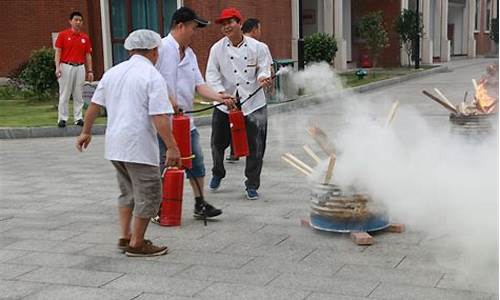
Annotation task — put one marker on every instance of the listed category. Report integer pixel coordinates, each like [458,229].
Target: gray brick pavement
[58,228]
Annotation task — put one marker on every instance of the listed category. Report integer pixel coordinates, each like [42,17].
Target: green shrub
[319,47]
[38,76]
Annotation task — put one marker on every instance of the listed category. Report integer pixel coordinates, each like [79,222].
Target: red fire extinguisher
[182,134]
[238,133]
[171,206]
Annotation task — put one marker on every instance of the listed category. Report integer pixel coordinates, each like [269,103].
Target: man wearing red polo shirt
[73,63]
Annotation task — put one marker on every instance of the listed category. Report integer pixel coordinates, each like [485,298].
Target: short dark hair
[75,14]
[249,25]
[185,14]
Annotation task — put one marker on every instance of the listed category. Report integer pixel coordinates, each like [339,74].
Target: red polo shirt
[74,46]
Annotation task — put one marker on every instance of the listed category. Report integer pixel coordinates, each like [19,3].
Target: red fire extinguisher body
[182,134]
[238,133]
[171,206]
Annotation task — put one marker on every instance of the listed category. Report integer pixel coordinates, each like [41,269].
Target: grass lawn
[17,112]
[351,80]
[28,113]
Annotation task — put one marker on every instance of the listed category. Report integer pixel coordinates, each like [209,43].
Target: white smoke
[442,184]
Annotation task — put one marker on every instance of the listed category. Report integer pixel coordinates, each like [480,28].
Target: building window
[129,15]
[478,14]
[489,10]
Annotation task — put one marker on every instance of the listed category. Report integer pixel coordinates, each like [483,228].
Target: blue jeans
[198,169]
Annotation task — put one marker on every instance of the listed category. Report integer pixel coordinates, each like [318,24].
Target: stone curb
[38,132]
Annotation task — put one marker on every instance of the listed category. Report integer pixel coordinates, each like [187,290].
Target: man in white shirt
[238,65]
[135,97]
[178,65]
[251,28]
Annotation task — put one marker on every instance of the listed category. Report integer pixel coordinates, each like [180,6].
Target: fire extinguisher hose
[222,103]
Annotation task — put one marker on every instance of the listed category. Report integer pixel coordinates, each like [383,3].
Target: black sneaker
[200,210]
[79,122]
[61,124]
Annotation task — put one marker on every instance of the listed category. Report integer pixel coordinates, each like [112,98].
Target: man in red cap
[238,64]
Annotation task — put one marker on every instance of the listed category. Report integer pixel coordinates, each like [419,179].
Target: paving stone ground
[58,227]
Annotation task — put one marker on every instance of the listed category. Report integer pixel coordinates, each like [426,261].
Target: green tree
[319,47]
[371,29]
[404,25]
[38,75]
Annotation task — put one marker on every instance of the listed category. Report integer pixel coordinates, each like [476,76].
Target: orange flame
[484,102]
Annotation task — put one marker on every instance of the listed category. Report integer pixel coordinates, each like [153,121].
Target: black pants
[256,125]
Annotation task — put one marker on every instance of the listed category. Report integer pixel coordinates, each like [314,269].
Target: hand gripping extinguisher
[171,206]
[238,131]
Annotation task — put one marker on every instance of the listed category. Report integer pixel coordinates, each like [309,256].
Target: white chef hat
[142,39]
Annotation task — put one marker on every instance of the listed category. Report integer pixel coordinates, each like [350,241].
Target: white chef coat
[132,92]
[182,77]
[233,68]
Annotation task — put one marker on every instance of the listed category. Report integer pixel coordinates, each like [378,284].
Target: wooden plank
[445,105]
[311,153]
[298,162]
[392,113]
[329,171]
[291,163]
[321,138]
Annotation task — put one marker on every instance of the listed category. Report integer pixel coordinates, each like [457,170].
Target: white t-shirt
[233,68]
[132,92]
[182,77]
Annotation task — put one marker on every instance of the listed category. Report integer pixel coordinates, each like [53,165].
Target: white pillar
[347,29]
[436,6]
[471,41]
[403,55]
[445,42]
[295,30]
[340,56]
[328,16]
[427,39]
[106,35]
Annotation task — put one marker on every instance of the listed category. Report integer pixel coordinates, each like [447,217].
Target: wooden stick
[329,171]
[302,164]
[311,153]
[443,97]
[445,105]
[392,113]
[321,138]
[474,83]
[291,163]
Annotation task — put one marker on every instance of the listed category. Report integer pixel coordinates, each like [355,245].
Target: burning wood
[485,99]
[444,104]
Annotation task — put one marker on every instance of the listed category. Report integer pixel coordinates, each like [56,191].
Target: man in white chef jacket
[178,65]
[238,64]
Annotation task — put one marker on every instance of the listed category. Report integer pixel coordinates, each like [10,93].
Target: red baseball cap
[228,13]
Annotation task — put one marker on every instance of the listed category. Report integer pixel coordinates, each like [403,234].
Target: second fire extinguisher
[182,134]
[238,133]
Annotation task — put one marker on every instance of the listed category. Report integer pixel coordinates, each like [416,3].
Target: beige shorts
[140,188]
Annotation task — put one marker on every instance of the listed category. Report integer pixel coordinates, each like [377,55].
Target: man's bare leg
[125,215]
[138,230]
